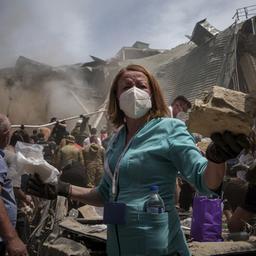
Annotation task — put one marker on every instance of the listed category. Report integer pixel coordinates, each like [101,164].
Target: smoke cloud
[58,32]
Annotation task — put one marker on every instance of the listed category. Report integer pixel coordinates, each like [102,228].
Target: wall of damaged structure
[227,60]
[32,92]
[20,101]
[205,66]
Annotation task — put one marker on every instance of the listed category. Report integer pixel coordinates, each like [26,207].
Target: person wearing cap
[93,160]
[81,131]
[76,130]
[69,154]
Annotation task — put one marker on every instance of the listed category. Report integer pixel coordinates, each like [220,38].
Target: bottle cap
[154,188]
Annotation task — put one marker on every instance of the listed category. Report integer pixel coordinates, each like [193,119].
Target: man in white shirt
[93,133]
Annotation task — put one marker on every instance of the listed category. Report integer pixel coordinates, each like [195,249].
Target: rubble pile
[223,109]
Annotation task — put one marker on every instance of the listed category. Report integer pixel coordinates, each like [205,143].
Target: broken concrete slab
[65,247]
[89,213]
[223,109]
[223,248]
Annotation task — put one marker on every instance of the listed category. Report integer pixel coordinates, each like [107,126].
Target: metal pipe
[52,123]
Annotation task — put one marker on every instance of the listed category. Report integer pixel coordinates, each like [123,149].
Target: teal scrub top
[157,152]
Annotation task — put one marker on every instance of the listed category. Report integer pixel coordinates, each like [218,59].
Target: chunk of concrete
[223,109]
[65,247]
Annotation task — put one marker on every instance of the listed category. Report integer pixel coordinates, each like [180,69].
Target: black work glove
[36,187]
[225,146]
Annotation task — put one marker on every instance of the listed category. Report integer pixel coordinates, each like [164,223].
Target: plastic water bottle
[155,203]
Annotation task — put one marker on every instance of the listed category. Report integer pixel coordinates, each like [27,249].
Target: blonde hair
[46,132]
[159,107]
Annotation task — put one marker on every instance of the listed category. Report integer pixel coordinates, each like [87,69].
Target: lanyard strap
[114,176]
[106,165]
[116,171]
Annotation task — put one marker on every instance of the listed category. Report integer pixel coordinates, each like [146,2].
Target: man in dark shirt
[49,148]
[9,240]
[34,136]
[58,131]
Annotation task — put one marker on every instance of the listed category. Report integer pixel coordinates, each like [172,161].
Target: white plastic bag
[30,159]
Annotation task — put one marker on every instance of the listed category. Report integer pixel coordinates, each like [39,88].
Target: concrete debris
[89,212]
[72,225]
[222,248]
[223,109]
[64,247]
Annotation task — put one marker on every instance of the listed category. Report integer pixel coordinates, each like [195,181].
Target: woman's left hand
[225,146]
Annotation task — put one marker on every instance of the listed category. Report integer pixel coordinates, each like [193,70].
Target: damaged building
[32,92]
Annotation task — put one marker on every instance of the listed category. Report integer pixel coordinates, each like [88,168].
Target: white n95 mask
[135,102]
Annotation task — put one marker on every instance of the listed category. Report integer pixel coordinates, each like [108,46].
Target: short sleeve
[12,174]
[3,170]
[86,142]
[187,158]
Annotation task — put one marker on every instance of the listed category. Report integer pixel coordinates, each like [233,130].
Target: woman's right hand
[225,146]
[50,191]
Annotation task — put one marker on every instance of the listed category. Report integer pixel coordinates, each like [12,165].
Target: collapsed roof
[225,58]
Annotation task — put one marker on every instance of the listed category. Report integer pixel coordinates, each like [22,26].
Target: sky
[61,32]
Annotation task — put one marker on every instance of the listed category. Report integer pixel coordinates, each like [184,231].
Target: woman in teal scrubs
[148,148]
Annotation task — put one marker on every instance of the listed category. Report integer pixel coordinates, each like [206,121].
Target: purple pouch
[206,223]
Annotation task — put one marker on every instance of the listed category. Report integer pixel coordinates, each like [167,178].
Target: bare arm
[81,157]
[86,195]
[238,219]
[14,245]
[214,174]
[7,230]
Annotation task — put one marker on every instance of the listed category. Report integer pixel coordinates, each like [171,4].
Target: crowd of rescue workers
[112,166]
